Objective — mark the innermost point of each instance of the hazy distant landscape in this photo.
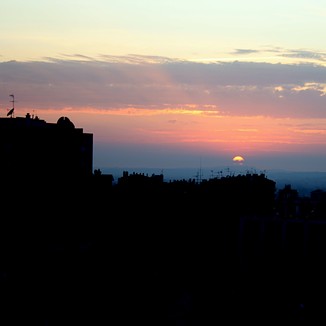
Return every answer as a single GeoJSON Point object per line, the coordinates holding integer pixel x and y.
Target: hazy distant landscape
{"type": "Point", "coordinates": [304, 182]}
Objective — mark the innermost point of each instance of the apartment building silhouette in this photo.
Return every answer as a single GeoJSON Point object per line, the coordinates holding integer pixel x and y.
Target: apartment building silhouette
{"type": "Point", "coordinates": [30, 146]}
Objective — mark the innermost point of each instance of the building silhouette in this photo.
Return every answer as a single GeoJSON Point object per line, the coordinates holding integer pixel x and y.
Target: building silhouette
{"type": "Point", "coordinates": [30, 146]}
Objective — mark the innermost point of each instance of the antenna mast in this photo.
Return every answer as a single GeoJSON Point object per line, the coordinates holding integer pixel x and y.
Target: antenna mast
{"type": "Point", "coordinates": [13, 101]}
{"type": "Point", "coordinates": [199, 174]}
{"type": "Point", "coordinates": [11, 111]}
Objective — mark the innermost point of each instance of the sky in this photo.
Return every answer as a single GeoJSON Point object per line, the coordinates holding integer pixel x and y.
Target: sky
{"type": "Point", "coordinates": [174, 83]}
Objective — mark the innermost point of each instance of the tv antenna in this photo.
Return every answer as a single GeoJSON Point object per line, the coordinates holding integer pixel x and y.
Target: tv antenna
{"type": "Point", "coordinates": [11, 111]}
{"type": "Point", "coordinates": [199, 174]}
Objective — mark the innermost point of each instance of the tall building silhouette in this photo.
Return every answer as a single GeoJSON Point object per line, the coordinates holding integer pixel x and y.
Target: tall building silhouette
{"type": "Point", "coordinates": [30, 146]}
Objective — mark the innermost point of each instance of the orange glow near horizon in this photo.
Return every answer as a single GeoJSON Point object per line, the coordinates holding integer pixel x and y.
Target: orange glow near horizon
{"type": "Point", "coordinates": [193, 126]}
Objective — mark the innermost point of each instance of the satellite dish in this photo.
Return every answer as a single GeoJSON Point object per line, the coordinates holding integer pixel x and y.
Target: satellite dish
{"type": "Point", "coordinates": [11, 112]}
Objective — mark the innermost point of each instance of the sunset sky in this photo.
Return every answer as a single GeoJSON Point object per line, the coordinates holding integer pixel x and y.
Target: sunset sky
{"type": "Point", "coordinates": [174, 83]}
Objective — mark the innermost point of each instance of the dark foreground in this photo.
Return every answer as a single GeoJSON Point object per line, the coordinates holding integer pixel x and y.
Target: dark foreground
{"type": "Point", "coordinates": [76, 260]}
{"type": "Point", "coordinates": [128, 274]}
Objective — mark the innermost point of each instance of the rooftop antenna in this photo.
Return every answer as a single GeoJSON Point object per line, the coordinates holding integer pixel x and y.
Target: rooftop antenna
{"type": "Point", "coordinates": [199, 174]}
{"type": "Point", "coordinates": [11, 111]}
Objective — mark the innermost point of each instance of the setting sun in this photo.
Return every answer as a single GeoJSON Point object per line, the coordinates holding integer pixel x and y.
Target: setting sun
{"type": "Point", "coordinates": [238, 159]}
